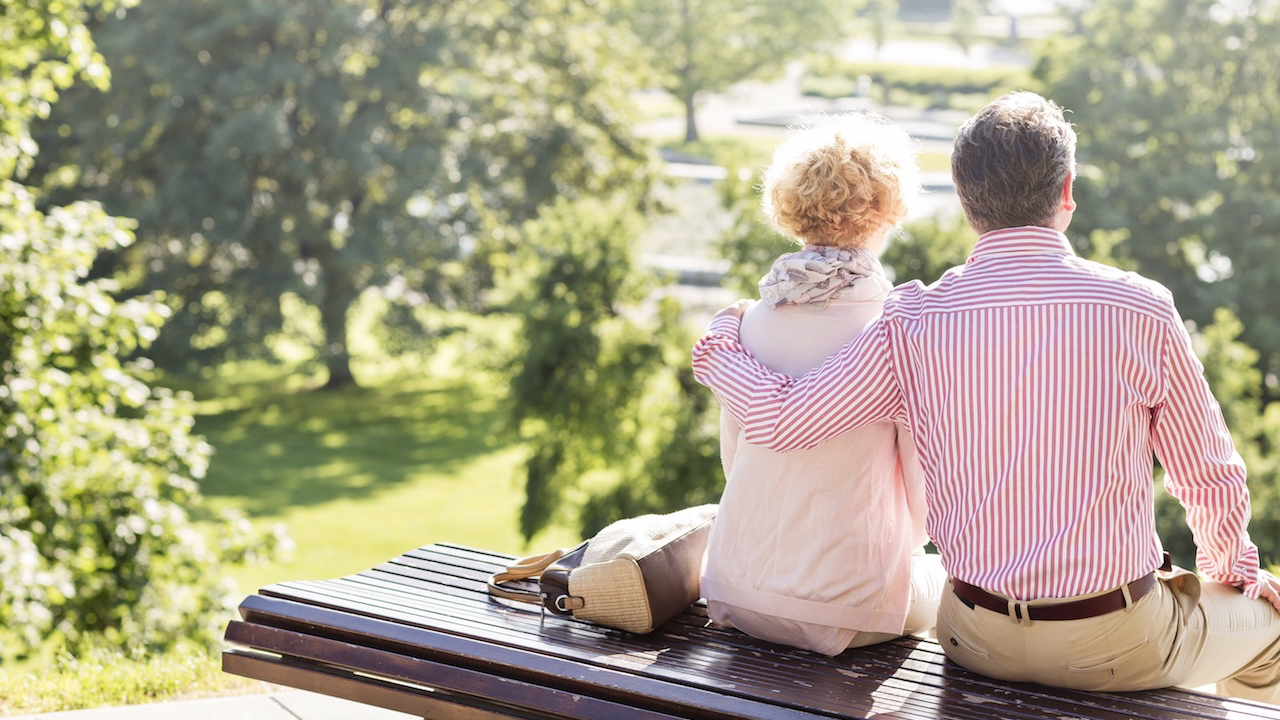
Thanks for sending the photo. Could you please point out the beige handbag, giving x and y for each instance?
(633, 575)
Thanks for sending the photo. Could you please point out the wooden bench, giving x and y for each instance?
(419, 634)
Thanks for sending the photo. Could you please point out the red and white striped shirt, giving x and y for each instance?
(1037, 386)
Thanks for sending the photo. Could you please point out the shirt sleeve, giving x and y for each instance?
(852, 388)
(913, 479)
(1202, 468)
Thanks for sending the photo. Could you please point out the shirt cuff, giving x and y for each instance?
(1243, 574)
(1251, 587)
(727, 325)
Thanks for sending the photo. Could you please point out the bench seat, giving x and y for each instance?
(419, 634)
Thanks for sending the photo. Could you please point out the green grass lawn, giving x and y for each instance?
(110, 679)
(935, 162)
(744, 151)
(414, 456)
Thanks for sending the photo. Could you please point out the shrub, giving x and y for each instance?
(97, 469)
(600, 385)
(830, 77)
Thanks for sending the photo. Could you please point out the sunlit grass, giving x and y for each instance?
(726, 150)
(108, 679)
(420, 453)
(935, 162)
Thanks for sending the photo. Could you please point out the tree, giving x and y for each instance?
(750, 244)
(697, 46)
(964, 22)
(880, 16)
(1179, 155)
(324, 147)
(599, 385)
(97, 468)
(46, 48)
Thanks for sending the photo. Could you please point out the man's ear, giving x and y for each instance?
(1068, 201)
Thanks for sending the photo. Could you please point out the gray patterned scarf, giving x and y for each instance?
(820, 273)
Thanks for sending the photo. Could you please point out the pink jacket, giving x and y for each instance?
(812, 546)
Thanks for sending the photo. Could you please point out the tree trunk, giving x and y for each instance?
(687, 88)
(690, 120)
(335, 301)
(337, 359)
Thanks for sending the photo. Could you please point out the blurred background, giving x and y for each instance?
(292, 286)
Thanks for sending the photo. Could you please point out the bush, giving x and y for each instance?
(830, 77)
(601, 385)
(97, 469)
(928, 247)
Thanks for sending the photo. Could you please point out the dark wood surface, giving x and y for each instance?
(419, 634)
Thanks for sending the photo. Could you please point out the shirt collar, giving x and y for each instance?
(1021, 240)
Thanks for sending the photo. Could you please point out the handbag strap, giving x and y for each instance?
(523, 568)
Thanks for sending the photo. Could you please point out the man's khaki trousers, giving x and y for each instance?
(1183, 632)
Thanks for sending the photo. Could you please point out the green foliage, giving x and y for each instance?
(1179, 152)
(324, 147)
(680, 459)
(579, 374)
(750, 244)
(964, 22)
(595, 384)
(1232, 373)
(97, 470)
(831, 77)
(926, 248)
(706, 46)
(46, 46)
(880, 16)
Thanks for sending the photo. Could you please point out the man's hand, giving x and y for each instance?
(1269, 588)
(737, 309)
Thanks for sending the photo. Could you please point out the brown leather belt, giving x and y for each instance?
(972, 595)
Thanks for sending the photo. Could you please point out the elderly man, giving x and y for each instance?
(1037, 386)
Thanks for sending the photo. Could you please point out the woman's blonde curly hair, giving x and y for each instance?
(841, 180)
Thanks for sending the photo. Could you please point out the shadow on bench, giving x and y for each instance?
(419, 634)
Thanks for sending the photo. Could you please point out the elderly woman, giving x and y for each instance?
(822, 549)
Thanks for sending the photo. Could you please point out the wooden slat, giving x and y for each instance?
(472, 660)
(434, 703)
(424, 676)
(430, 605)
